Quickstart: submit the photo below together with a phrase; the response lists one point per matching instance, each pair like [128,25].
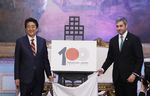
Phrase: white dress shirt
[124,36]
[35,42]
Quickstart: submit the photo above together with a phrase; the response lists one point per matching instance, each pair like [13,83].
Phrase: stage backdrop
[97,16]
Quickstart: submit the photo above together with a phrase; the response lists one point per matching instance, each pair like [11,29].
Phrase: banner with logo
[88,88]
[73,55]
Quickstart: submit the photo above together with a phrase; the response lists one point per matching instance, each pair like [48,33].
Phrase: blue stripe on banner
[6,68]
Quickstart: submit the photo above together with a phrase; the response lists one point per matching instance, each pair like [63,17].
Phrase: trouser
[125,88]
[34,88]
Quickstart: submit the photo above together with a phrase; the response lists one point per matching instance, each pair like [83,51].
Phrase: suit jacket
[27,66]
[129,60]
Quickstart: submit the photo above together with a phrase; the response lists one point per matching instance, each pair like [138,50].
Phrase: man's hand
[51,78]
[143,88]
[100,71]
[131,78]
[17,82]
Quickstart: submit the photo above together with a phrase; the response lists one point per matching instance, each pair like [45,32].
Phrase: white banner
[88,88]
[73,55]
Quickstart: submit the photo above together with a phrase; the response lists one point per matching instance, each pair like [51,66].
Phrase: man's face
[31,29]
[121,27]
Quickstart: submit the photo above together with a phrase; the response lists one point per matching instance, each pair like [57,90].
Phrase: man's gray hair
[123,19]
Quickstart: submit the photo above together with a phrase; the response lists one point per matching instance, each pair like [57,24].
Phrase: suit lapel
[117,43]
[27,44]
[39,45]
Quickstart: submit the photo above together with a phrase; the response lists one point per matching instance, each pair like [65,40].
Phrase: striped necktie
[33,47]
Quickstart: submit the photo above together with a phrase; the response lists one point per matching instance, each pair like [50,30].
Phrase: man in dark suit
[126,54]
[31,60]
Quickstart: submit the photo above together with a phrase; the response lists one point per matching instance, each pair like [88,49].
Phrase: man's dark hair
[123,19]
[30,19]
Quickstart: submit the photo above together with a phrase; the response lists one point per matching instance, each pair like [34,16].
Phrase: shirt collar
[30,38]
[124,35]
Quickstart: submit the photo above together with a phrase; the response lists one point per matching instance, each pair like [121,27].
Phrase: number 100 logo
[73,54]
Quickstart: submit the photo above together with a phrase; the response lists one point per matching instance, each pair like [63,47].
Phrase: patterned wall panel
[7,84]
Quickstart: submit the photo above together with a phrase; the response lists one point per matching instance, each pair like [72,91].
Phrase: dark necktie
[121,43]
[33,47]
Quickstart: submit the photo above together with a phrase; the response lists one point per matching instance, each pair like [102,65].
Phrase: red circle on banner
[72,54]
